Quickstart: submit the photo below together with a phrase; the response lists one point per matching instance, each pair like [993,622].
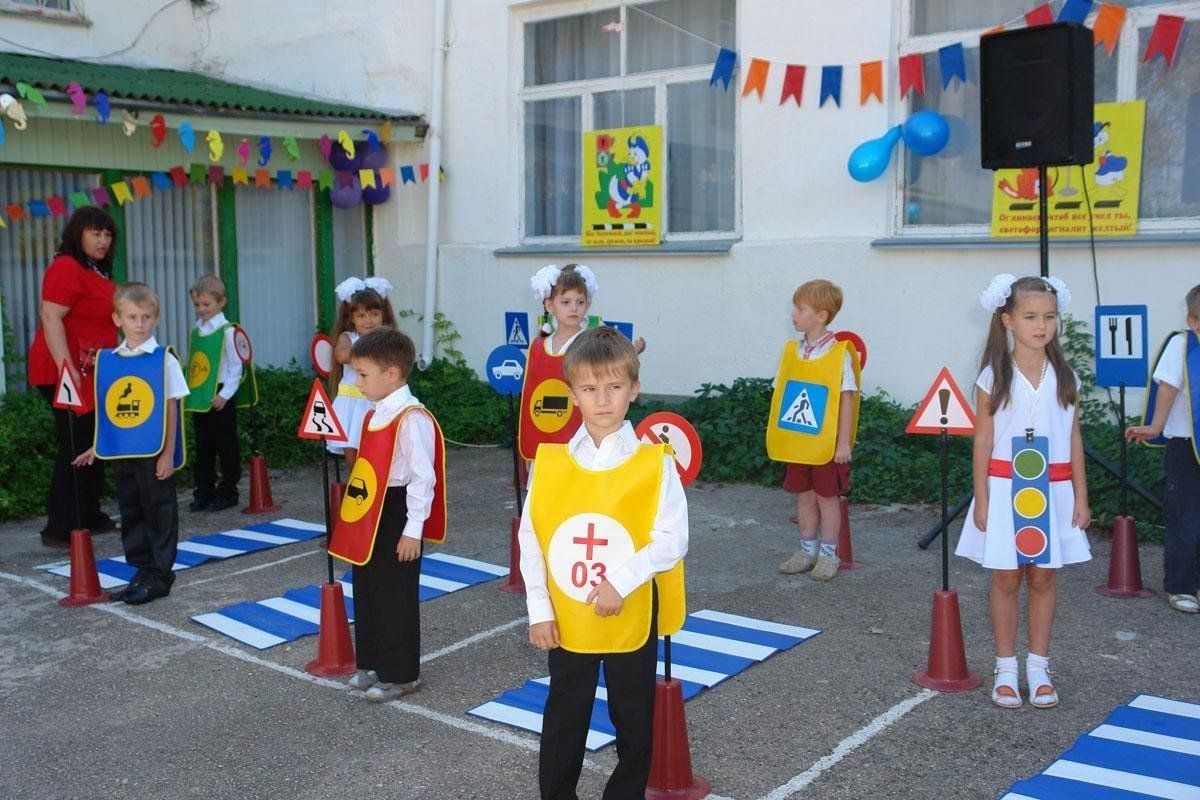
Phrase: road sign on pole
[1121,352]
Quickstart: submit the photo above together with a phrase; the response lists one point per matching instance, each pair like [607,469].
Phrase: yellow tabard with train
[806,404]
[590,522]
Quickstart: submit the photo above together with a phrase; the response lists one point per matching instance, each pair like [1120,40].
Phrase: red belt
[1003,469]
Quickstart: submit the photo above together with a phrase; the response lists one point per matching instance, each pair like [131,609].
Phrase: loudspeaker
[1037,92]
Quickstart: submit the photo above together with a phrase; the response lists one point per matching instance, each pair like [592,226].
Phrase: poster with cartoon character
[622,190]
[1111,183]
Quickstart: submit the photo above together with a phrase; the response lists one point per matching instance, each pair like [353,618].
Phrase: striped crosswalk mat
[297,613]
[1149,748]
[711,647]
[209,547]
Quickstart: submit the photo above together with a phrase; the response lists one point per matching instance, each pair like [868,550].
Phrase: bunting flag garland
[870,82]
[58,208]
[793,87]
[325,179]
[120,192]
[387,176]
[79,200]
[406,174]
[1075,11]
[262,179]
[99,197]
[424,172]
[196,173]
[216,175]
[367,178]
[38,208]
[15,211]
[1107,27]
[141,186]
[912,74]
[304,179]
[831,85]
[241,177]
[952,63]
[1042,15]
[1164,39]
[283,178]
[723,69]
[160,181]
[756,77]
[179,176]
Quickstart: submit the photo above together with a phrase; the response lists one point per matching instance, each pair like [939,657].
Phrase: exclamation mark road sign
[944,402]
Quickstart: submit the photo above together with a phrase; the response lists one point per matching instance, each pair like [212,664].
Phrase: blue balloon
[926,132]
[871,158]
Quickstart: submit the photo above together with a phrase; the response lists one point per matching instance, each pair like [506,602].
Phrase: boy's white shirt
[668,534]
[412,462]
[1170,372]
[176,384]
[848,382]
[230,376]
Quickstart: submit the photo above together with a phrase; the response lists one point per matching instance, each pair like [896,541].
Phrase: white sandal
[1006,677]
[1187,603]
[1037,675]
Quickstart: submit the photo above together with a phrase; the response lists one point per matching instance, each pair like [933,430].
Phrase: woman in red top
[76,322]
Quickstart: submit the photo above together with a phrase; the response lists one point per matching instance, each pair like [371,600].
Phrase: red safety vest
[548,414]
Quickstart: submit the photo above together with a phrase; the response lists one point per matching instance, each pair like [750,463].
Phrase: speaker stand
[1043,222]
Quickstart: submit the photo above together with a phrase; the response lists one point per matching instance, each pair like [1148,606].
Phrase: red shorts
[827,480]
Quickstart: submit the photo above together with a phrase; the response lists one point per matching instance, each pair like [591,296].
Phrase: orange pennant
[387,176]
[141,186]
[870,81]
[756,77]
[1107,28]
[262,178]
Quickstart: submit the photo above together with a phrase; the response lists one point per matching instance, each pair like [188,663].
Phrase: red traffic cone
[515,582]
[85,581]
[845,549]
[1124,566]
[335,650]
[947,670]
[671,775]
[260,488]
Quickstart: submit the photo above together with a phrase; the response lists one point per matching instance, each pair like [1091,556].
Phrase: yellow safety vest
[590,522]
[805,405]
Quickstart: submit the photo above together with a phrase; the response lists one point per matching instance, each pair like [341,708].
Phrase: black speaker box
[1037,92]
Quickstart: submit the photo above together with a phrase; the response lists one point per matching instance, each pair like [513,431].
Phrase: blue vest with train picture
[131,410]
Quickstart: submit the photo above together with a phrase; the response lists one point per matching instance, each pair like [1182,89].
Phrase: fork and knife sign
[1112,332]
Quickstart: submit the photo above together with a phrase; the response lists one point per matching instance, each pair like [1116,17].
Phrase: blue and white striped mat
[711,647]
[1149,748]
[298,612]
[209,547]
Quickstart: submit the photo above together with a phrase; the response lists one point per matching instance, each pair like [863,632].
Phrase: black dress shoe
[222,503]
[55,542]
[199,504]
[145,592]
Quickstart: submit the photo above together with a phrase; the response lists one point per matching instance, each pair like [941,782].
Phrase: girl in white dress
[1026,391]
[364,307]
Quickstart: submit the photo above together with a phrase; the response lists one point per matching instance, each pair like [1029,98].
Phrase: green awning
[175,88]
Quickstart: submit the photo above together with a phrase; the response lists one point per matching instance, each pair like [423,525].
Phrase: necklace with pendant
[1034,394]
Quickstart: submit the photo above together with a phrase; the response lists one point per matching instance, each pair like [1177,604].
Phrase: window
[58,10]
[952,189]
[651,66]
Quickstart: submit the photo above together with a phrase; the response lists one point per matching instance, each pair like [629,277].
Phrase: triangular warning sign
[67,394]
[516,336]
[319,420]
[944,408]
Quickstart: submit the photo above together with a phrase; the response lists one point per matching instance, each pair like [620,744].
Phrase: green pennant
[79,200]
[198,173]
[325,180]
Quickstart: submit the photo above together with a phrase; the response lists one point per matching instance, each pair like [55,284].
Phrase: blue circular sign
[505,369]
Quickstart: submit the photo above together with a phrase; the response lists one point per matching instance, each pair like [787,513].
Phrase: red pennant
[1042,15]
[57,207]
[1164,39]
[793,84]
[179,176]
[424,170]
[304,179]
[912,74]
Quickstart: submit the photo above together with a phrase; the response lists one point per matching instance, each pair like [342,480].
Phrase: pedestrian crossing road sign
[516,328]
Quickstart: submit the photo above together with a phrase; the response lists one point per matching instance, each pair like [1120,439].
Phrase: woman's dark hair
[88,218]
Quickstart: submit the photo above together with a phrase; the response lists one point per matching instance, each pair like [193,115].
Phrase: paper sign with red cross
[584,550]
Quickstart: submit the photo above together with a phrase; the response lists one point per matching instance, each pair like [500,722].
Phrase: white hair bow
[542,282]
[1064,294]
[380,285]
[346,289]
[589,280]
[997,292]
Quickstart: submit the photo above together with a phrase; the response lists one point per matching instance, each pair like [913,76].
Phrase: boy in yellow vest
[813,423]
[602,535]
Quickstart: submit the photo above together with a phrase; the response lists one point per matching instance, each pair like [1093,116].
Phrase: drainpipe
[434,134]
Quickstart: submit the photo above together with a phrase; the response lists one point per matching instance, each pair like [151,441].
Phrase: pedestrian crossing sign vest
[357,522]
[131,403]
[548,414]
[588,523]
[806,405]
[206,354]
[1190,388]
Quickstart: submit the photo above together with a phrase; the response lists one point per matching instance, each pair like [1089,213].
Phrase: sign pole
[1124,455]
[512,432]
[325,497]
[943,443]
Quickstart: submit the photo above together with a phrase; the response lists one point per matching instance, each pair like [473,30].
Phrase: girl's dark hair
[84,219]
[368,299]
[569,278]
[997,355]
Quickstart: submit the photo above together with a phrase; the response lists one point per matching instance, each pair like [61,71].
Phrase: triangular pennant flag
[197,173]
[943,408]
[3,224]
[870,81]
[100,197]
[283,177]
[441,174]
[950,59]
[423,169]
[79,200]
[793,84]
[141,186]
[723,68]
[1075,11]
[319,420]
[262,179]
[38,208]
[324,179]
[16,212]
[387,175]
[367,178]
[241,176]
[179,176]
[756,77]
[67,395]
[1107,27]
[912,74]
[1042,15]
[57,206]
[216,175]
[304,179]
[160,180]
[406,175]
[1164,38]
[831,85]
[120,191]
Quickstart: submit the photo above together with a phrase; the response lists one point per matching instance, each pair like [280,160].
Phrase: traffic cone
[335,650]
[947,670]
[671,775]
[515,582]
[845,549]
[85,581]
[260,488]
[1124,566]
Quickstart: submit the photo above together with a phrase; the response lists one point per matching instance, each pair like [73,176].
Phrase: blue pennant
[284,178]
[723,69]
[407,174]
[1075,11]
[953,66]
[38,208]
[161,180]
[831,85]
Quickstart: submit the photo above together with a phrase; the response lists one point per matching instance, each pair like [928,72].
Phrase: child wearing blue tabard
[138,427]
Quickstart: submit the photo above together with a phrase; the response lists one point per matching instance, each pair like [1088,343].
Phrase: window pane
[655,40]
[700,137]
[622,109]
[1171,151]
[553,141]
[572,48]
[935,16]
[349,242]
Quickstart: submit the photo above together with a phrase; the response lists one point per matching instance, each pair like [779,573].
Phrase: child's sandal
[1038,678]
[1006,679]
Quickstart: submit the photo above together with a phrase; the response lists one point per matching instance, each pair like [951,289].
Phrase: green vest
[205,354]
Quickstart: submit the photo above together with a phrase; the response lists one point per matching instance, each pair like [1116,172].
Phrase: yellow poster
[622,193]
[1111,182]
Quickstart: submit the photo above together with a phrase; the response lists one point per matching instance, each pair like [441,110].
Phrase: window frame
[658,80]
[1128,55]
[74,14]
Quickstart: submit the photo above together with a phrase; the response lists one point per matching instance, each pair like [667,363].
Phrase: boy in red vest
[603,535]
[395,496]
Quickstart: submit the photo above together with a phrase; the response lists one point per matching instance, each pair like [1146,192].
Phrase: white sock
[1006,664]
[829,549]
[1034,664]
[808,546]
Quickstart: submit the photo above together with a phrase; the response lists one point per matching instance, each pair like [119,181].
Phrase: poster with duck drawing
[622,187]
[1111,183]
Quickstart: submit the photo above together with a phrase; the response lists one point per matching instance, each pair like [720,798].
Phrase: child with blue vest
[138,427]
[1173,411]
